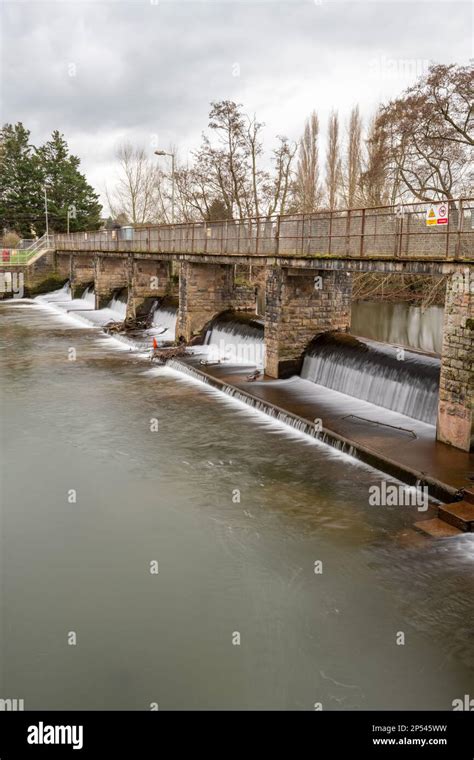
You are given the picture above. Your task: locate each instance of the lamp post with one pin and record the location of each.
(164, 153)
(46, 211)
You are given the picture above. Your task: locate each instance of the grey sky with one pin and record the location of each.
(106, 71)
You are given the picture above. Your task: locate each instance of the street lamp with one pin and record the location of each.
(164, 153)
(46, 211)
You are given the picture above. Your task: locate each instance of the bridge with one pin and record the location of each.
(301, 267)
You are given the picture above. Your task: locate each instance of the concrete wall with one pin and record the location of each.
(456, 393)
(301, 304)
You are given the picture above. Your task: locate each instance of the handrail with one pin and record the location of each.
(393, 231)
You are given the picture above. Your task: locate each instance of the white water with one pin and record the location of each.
(237, 342)
(404, 382)
(164, 323)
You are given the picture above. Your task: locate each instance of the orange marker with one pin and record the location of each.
(155, 344)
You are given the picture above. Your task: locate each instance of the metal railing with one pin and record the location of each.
(388, 231)
(26, 251)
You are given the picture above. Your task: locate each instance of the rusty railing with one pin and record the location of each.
(385, 231)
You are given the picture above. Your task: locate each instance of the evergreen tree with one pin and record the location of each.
(67, 188)
(21, 196)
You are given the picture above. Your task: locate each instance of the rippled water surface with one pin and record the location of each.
(236, 511)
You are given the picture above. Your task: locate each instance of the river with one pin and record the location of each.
(236, 510)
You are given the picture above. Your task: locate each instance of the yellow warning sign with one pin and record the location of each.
(437, 214)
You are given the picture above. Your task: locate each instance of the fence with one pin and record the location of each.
(26, 251)
(395, 232)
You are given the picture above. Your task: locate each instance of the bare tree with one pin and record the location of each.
(333, 163)
(308, 192)
(378, 185)
(353, 160)
(138, 191)
(280, 188)
(430, 130)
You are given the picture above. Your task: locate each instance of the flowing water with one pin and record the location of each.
(109, 466)
(236, 339)
(164, 322)
(404, 381)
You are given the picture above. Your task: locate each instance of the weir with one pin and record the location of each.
(236, 339)
(369, 400)
(303, 265)
(403, 381)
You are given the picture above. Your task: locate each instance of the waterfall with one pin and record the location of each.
(236, 339)
(63, 294)
(164, 322)
(396, 379)
(260, 405)
(118, 304)
(400, 323)
(89, 296)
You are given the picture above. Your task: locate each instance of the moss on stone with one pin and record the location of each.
(45, 286)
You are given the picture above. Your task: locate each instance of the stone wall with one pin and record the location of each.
(206, 290)
(301, 304)
(456, 392)
(150, 279)
(111, 274)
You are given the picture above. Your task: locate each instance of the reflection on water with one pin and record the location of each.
(399, 323)
(236, 511)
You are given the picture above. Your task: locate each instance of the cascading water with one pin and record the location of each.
(164, 322)
(236, 339)
(89, 296)
(62, 294)
(406, 383)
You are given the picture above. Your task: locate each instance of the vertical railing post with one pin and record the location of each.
(457, 252)
(400, 236)
(348, 232)
(277, 236)
(226, 244)
(330, 231)
(205, 237)
(362, 232)
(447, 232)
(302, 233)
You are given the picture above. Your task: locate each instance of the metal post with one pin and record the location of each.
(460, 228)
(362, 231)
(172, 188)
(46, 211)
(330, 232)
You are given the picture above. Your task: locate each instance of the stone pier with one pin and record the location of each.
(301, 304)
(206, 290)
(456, 390)
(81, 273)
(149, 279)
(111, 274)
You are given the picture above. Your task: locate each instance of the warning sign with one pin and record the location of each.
(437, 213)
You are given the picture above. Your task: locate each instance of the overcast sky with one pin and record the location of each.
(102, 71)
